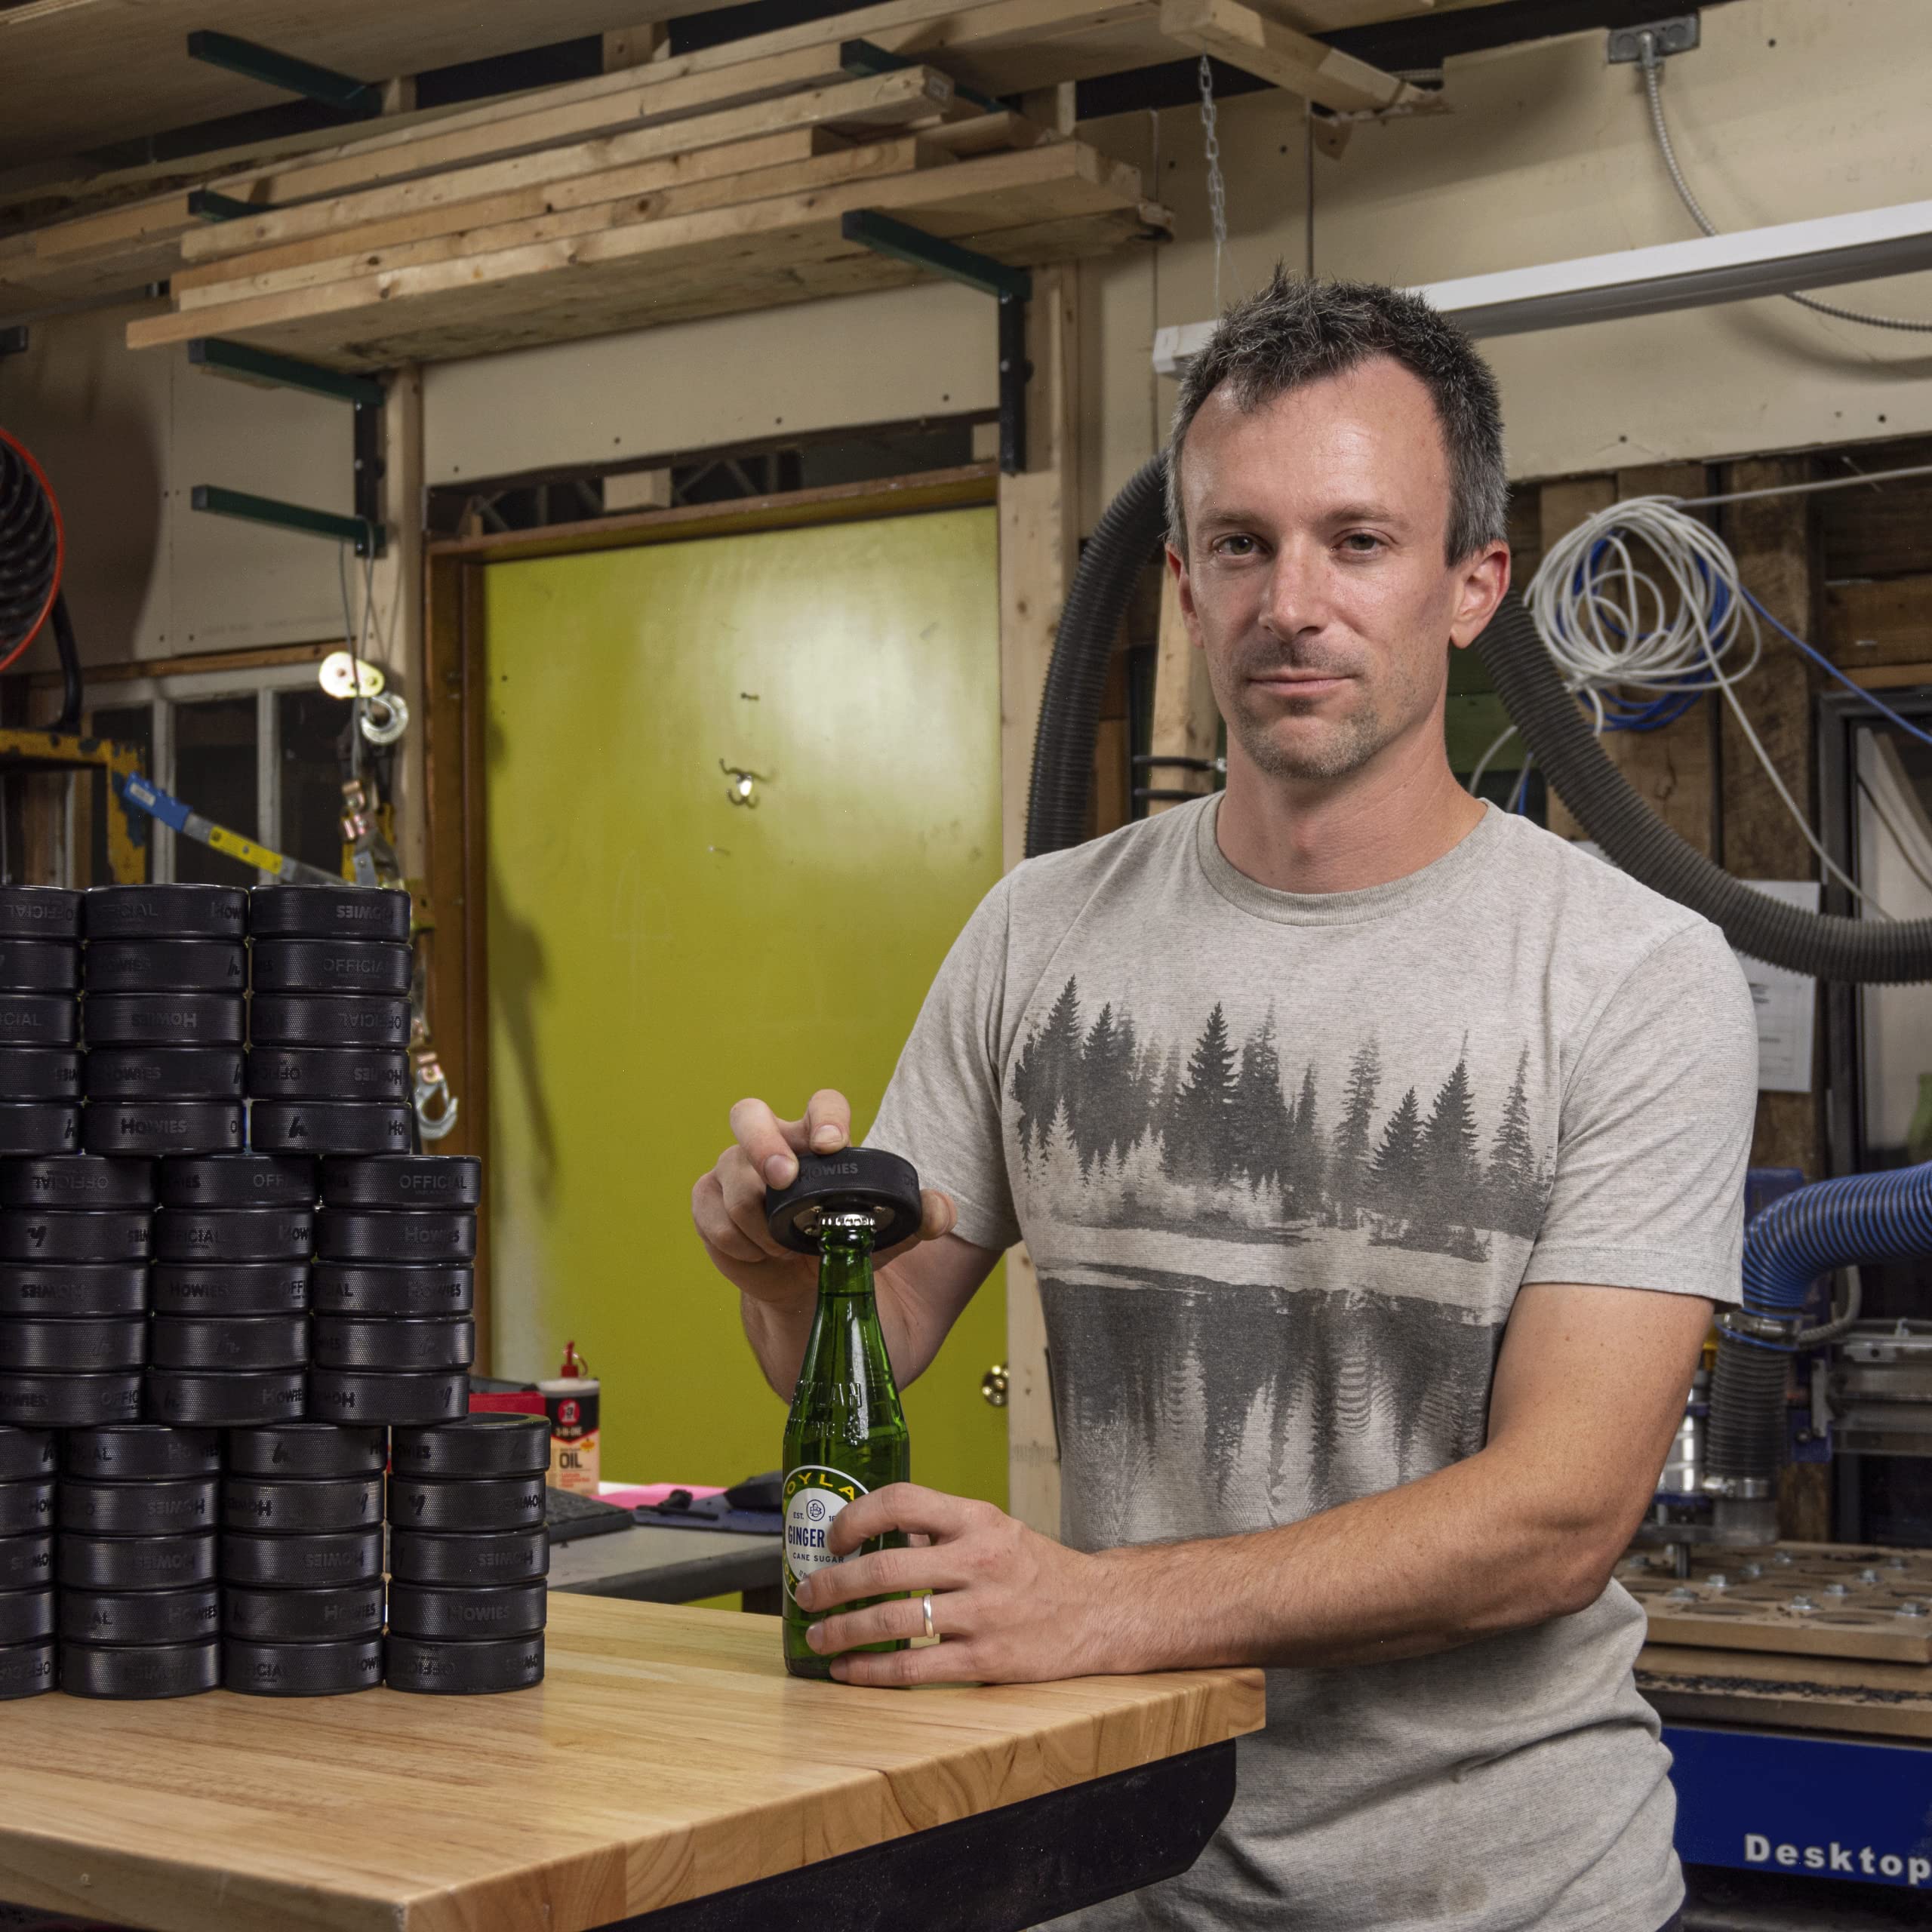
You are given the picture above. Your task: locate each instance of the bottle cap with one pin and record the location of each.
(856, 1179)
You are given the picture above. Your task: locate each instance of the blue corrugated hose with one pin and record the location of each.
(1861, 1217)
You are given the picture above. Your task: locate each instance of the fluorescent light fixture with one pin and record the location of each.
(1821, 253)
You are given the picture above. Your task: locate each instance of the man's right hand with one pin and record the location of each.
(728, 1205)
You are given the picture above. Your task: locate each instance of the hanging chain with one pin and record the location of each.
(1217, 189)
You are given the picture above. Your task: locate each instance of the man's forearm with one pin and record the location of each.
(1464, 1553)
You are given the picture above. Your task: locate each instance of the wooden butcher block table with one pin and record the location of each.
(667, 1773)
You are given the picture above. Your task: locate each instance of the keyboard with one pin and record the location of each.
(570, 1516)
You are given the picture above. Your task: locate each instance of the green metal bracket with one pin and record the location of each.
(247, 364)
(343, 92)
(862, 58)
(1013, 288)
(209, 204)
(366, 537)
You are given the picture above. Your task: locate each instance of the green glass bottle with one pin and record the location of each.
(846, 1433)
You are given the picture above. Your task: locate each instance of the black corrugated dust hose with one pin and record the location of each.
(1129, 535)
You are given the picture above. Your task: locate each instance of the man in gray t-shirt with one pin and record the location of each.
(1381, 1156)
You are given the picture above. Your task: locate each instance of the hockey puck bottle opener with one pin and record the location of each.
(846, 1433)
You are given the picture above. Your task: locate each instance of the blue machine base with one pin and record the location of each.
(1774, 1800)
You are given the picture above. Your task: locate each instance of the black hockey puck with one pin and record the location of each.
(865, 1180)
(139, 1452)
(38, 1127)
(233, 1234)
(140, 1671)
(166, 1020)
(325, 1073)
(301, 1670)
(135, 1563)
(241, 1344)
(26, 1563)
(39, 1073)
(328, 911)
(442, 1181)
(303, 1616)
(26, 1508)
(339, 1394)
(331, 1127)
(68, 1182)
(365, 967)
(115, 1127)
(229, 1288)
(223, 1400)
(306, 1451)
(392, 1347)
(69, 1401)
(54, 1236)
(328, 1561)
(312, 1019)
(26, 1617)
(463, 1670)
(469, 1562)
(38, 966)
(25, 1455)
(40, 1019)
(165, 911)
(482, 1444)
(40, 911)
(361, 1234)
(466, 1503)
(304, 1508)
(512, 1610)
(239, 1180)
(164, 1073)
(181, 1505)
(84, 1345)
(26, 1669)
(140, 1616)
(167, 966)
(340, 1288)
(101, 1288)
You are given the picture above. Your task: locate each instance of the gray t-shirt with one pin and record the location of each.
(1282, 1161)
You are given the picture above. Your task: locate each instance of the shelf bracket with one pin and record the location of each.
(242, 362)
(1011, 287)
(210, 205)
(343, 92)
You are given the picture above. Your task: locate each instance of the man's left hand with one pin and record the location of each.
(1011, 1606)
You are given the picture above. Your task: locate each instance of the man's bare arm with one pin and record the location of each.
(1589, 1390)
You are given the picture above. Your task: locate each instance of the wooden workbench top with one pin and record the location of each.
(666, 1755)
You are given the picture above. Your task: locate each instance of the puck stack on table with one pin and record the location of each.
(139, 1611)
(166, 972)
(229, 1346)
(27, 1562)
(74, 1241)
(40, 1019)
(392, 1337)
(328, 1068)
(302, 1561)
(468, 1554)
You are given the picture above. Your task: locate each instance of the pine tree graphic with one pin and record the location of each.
(1200, 1143)
(1395, 1176)
(1262, 1126)
(1349, 1165)
(1307, 1157)
(1515, 1181)
(1047, 1065)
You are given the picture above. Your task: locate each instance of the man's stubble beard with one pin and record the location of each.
(1345, 744)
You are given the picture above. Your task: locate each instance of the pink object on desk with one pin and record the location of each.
(648, 1495)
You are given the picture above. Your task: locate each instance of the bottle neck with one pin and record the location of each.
(845, 1255)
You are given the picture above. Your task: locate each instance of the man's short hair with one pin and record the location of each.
(1296, 332)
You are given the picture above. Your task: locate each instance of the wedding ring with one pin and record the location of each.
(926, 1603)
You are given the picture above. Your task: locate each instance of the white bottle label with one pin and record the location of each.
(812, 1497)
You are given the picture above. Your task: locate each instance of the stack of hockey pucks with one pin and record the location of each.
(74, 1239)
(139, 1610)
(302, 1561)
(40, 1019)
(166, 973)
(230, 1342)
(392, 1338)
(27, 1562)
(468, 1554)
(329, 1025)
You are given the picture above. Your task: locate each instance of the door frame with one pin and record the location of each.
(456, 651)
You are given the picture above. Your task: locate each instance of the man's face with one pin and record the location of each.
(1315, 579)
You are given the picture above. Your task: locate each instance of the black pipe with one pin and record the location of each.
(1822, 946)
(69, 719)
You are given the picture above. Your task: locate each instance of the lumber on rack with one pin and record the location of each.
(1258, 45)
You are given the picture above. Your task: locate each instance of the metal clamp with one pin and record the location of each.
(1779, 1330)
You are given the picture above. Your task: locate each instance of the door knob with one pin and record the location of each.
(992, 1385)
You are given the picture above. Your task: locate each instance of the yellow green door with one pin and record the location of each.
(658, 951)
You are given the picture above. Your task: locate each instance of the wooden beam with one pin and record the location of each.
(1271, 52)
(1886, 622)
(1186, 722)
